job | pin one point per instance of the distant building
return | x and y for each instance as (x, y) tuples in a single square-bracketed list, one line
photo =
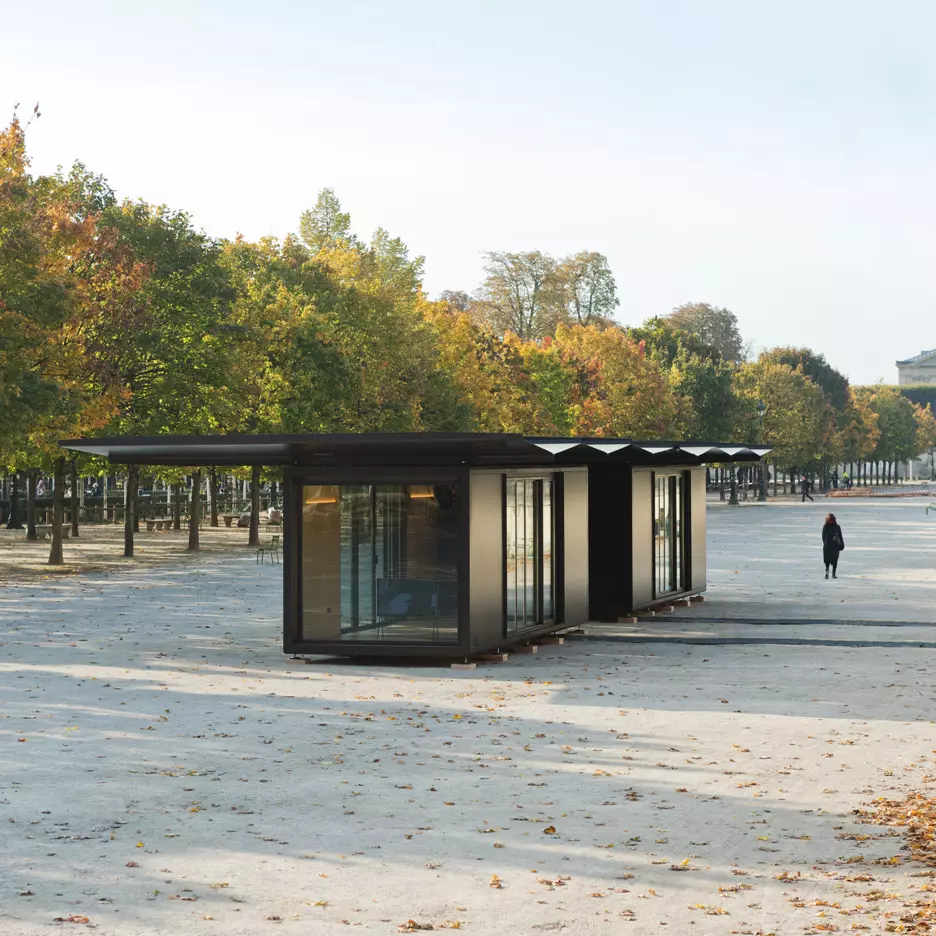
[(917, 370)]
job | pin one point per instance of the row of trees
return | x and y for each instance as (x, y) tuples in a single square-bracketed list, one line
[(118, 317)]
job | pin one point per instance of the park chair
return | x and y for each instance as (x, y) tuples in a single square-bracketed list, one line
[(272, 548)]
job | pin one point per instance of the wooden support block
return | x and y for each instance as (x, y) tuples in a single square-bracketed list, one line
[(697, 599), (493, 657), (665, 608), (525, 648), (646, 614), (551, 641), (468, 666), (681, 603), (627, 620)]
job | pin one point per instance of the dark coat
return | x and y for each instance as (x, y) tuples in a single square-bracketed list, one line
[(831, 538)]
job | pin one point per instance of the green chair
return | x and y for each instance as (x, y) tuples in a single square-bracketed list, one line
[(271, 549)]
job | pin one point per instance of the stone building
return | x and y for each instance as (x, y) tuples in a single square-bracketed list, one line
[(917, 370)]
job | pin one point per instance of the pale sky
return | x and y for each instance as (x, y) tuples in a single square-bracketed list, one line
[(774, 158)]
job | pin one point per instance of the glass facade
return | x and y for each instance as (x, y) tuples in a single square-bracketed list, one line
[(668, 546), (530, 575), (380, 562)]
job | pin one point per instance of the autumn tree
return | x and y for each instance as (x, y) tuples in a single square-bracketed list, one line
[(630, 395), (519, 293), (455, 300), (325, 224), (897, 424), (586, 289), (715, 328), (793, 415)]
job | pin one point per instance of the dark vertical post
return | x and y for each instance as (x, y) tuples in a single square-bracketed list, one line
[(130, 511), (177, 506), (58, 513), (74, 498), (213, 487), (31, 533), (254, 536), (14, 523), (195, 512)]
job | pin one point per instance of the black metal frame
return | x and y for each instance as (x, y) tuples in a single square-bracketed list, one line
[(294, 480), (558, 550), (685, 530)]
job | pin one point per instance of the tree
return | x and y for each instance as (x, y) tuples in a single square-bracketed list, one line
[(707, 396), (587, 289), (664, 342), (897, 424), (628, 394), (519, 293), (715, 327), (793, 418), (455, 300), (833, 383), (325, 225)]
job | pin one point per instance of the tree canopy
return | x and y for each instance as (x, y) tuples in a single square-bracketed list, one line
[(121, 316)]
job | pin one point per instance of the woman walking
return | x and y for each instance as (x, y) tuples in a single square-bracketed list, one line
[(832, 544)]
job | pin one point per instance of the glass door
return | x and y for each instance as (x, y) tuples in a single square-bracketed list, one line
[(668, 551), (529, 554)]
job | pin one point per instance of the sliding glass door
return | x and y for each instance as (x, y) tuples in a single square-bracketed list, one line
[(530, 579), (380, 562), (668, 552)]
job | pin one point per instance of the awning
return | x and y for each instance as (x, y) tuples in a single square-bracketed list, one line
[(403, 449)]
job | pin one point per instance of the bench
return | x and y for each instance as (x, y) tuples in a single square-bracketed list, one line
[(158, 525), (45, 529), (229, 518)]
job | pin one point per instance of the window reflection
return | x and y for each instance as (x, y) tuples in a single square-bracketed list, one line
[(380, 562), (668, 534), (529, 553)]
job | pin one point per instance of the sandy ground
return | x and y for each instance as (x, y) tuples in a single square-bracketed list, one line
[(99, 548), (166, 769)]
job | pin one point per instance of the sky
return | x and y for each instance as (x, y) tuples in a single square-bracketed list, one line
[(773, 158)]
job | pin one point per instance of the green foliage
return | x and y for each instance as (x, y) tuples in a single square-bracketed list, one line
[(325, 225), (714, 328), (897, 424), (833, 383), (123, 318), (793, 414)]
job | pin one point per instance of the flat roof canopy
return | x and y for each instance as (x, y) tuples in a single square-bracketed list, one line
[(405, 449)]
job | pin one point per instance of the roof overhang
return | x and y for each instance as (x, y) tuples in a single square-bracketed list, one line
[(403, 448)]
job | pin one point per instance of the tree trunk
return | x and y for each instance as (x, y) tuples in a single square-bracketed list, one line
[(134, 498), (130, 511), (31, 533), (58, 513), (195, 512), (176, 506), (14, 523), (74, 498), (213, 486), (254, 538)]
